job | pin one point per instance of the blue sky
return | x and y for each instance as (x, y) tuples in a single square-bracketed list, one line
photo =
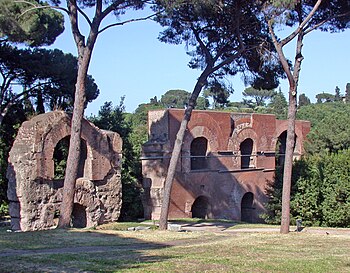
[(129, 60)]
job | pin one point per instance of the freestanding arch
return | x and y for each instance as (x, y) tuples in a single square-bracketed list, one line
[(201, 208), (247, 208), (35, 194)]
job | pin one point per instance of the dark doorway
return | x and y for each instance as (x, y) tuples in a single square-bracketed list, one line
[(246, 148), (247, 209), (199, 148), (79, 216), (201, 208)]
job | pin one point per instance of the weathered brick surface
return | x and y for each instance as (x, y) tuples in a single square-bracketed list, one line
[(35, 196), (223, 182)]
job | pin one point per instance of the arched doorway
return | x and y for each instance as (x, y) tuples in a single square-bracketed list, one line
[(199, 147), (201, 208), (246, 149), (247, 209), (79, 216)]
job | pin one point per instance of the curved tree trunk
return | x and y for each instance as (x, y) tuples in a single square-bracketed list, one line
[(163, 220)]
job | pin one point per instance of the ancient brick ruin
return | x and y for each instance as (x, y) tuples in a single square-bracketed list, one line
[(34, 193), (226, 162)]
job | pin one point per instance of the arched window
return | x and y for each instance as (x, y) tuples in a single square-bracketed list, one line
[(60, 156), (246, 148), (199, 148), (247, 209), (281, 148), (201, 208)]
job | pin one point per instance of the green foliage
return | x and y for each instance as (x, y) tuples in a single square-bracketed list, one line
[(175, 99), (114, 119), (323, 191), (336, 189), (325, 97), (60, 156), (47, 76), (320, 193), (303, 100), (22, 23), (347, 93), (4, 209), (214, 39), (330, 131), (259, 96), (219, 93), (8, 132), (306, 203), (274, 193), (279, 105), (337, 96)]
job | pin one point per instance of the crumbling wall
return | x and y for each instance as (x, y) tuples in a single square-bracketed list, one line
[(35, 196)]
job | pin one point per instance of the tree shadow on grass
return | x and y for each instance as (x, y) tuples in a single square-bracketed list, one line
[(87, 251)]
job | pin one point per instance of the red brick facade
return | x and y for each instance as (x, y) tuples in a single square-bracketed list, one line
[(226, 161)]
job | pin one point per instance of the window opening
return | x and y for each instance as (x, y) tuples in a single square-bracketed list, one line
[(199, 148), (60, 156), (246, 148)]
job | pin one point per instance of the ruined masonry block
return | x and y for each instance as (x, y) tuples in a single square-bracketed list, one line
[(35, 196)]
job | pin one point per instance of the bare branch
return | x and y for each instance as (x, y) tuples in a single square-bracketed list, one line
[(209, 58), (73, 16), (39, 7), (84, 15), (127, 21), (301, 25), (307, 31)]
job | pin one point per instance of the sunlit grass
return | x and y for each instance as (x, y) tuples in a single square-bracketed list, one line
[(113, 250)]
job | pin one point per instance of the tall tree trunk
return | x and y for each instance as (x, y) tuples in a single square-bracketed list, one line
[(74, 144), (288, 163), (84, 57), (163, 220)]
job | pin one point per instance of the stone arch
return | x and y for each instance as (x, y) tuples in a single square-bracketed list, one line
[(201, 207), (196, 133), (247, 208), (235, 145), (283, 127)]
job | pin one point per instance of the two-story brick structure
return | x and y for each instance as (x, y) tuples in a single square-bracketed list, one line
[(226, 162)]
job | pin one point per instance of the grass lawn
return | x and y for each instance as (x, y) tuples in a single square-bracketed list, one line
[(111, 249)]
